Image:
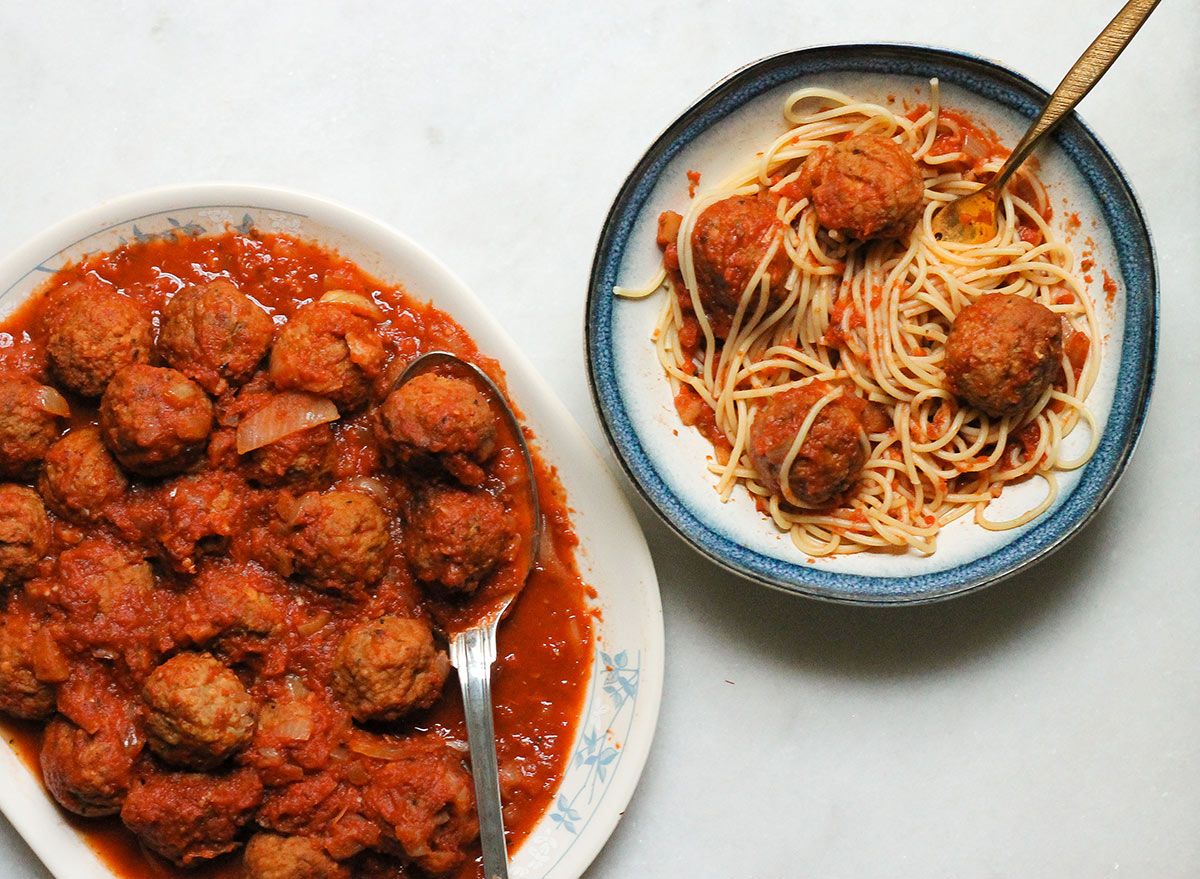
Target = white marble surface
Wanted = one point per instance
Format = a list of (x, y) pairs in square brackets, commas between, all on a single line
[(1047, 728)]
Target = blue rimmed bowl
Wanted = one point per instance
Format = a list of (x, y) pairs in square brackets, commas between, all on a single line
[(1094, 207)]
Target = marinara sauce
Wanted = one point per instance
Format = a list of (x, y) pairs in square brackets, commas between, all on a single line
[(545, 644)]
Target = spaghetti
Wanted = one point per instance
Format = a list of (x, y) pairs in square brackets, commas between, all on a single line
[(867, 322)]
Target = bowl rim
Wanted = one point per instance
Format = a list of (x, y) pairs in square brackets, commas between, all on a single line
[(30, 257), (719, 548)]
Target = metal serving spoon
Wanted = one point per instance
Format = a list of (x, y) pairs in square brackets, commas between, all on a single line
[(971, 219), (471, 632)]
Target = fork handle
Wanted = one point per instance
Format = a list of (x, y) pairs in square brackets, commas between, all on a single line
[(472, 652), (1086, 72)]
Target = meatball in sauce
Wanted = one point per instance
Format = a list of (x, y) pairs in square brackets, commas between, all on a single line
[(1003, 353), (864, 188), (730, 240), (830, 457)]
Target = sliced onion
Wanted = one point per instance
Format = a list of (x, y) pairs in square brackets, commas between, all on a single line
[(297, 728), (369, 485), (975, 146), (378, 748), (51, 401), (313, 624), (296, 687), (286, 414), (356, 302)]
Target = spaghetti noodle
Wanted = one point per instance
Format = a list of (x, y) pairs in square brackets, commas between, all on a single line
[(870, 320)]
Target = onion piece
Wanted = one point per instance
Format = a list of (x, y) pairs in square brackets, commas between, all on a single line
[(369, 485), (296, 727), (296, 687), (378, 747), (359, 303), (51, 401), (975, 146), (288, 413)]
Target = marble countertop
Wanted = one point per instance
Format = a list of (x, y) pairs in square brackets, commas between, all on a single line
[(1049, 727)]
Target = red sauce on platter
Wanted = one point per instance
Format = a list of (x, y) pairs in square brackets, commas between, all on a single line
[(545, 644)]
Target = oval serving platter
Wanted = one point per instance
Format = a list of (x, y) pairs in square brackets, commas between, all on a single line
[(666, 461), (621, 711)]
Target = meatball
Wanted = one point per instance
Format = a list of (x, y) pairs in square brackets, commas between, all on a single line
[(24, 532), (339, 539), (864, 188), (829, 459), (434, 415), (21, 693), (192, 817), (155, 420), (455, 537), (729, 241), (387, 667), (198, 712), (1003, 352), (215, 335), (269, 856), (89, 773), (227, 599), (92, 332), (80, 476), (202, 513), (427, 804), (105, 591), (327, 349), (27, 430)]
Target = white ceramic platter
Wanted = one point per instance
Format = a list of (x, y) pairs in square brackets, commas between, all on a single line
[(617, 725)]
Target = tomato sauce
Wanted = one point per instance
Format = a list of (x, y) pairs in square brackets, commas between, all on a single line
[(546, 642)]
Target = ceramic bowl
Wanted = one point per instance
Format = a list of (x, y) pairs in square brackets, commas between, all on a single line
[(715, 135)]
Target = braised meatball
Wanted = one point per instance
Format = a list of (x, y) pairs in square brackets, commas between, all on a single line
[(340, 539), (198, 712), (268, 856), (106, 595), (328, 350), (215, 335), (24, 532), (80, 476), (829, 459), (202, 513), (89, 773), (1003, 352), (866, 187), (455, 537), (427, 804), (92, 332), (387, 667), (729, 241), (192, 817), (21, 693), (447, 418), (155, 420), (227, 599), (27, 430)]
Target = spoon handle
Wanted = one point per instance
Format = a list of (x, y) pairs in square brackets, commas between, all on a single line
[(1086, 72), (472, 652)]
